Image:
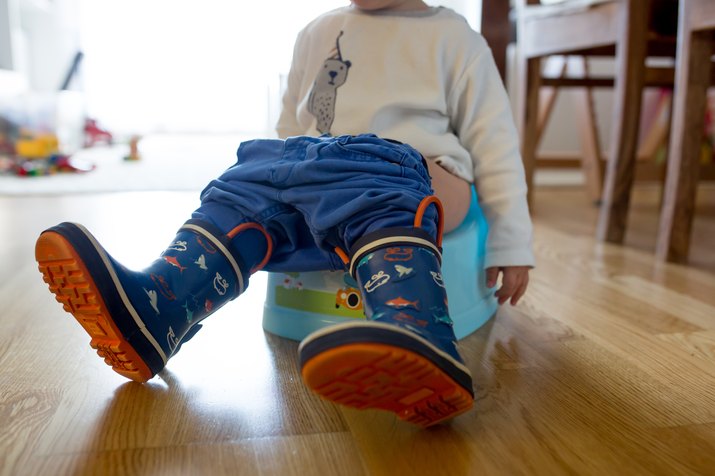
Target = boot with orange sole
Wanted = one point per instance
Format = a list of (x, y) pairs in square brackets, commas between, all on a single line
[(138, 320)]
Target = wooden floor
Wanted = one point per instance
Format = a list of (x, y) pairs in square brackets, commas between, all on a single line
[(606, 368)]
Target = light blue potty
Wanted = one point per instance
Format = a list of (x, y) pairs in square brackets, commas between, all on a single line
[(300, 303)]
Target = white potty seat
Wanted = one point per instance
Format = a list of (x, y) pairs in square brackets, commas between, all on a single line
[(300, 303)]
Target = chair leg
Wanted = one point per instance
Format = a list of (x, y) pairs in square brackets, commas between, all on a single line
[(586, 118), (497, 31), (530, 84), (630, 78), (553, 66), (692, 80)]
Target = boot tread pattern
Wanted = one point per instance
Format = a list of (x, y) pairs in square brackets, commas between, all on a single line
[(71, 283), (385, 377)]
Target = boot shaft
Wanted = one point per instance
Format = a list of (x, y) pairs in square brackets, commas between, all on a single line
[(139, 319), (404, 358), (197, 274), (399, 273)]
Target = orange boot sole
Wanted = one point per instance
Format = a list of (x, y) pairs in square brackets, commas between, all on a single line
[(385, 377), (72, 284)]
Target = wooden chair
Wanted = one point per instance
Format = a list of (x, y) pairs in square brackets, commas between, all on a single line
[(696, 33), (624, 29), (496, 28)]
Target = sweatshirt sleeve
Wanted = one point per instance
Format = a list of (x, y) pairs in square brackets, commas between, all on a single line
[(482, 118)]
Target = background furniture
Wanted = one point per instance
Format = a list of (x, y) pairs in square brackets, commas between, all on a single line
[(496, 29), (628, 30), (696, 31)]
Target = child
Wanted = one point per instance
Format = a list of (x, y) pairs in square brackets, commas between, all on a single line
[(420, 75), (346, 200)]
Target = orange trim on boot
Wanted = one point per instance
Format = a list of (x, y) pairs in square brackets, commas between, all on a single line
[(343, 255), (71, 283), (385, 377), (426, 202), (269, 241)]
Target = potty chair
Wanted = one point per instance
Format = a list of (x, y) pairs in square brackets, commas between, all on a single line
[(300, 303)]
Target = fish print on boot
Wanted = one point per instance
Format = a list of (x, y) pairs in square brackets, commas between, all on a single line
[(404, 357), (138, 320)]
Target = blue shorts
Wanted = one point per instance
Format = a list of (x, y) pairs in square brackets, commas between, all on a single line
[(315, 193)]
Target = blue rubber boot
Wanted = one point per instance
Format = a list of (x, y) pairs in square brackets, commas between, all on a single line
[(404, 357), (137, 320)]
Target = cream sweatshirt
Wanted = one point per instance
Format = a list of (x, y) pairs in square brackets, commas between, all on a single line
[(426, 79)]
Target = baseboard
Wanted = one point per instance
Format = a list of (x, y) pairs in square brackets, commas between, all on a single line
[(646, 170)]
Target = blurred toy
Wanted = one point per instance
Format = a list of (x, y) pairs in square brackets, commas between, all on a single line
[(9, 131), (93, 134), (36, 146), (30, 168), (133, 149), (54, 164), (36, 154), (7, 165), (29, 153), (65, 163)]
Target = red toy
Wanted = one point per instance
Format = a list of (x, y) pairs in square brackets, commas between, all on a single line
[(94, 134)]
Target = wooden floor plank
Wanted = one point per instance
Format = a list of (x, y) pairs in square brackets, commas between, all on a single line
[(606, 367)]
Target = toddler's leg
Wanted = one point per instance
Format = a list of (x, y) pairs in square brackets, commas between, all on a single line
[(138, 319), (404, 358)]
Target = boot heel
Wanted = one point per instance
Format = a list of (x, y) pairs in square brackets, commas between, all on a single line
[(71, 282), (386, 377)]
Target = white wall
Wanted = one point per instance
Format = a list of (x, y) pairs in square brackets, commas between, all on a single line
[(212, 65), (5, 43), (9, 31), (561, 137), (173, 65), (38, 39), (52, 39)]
